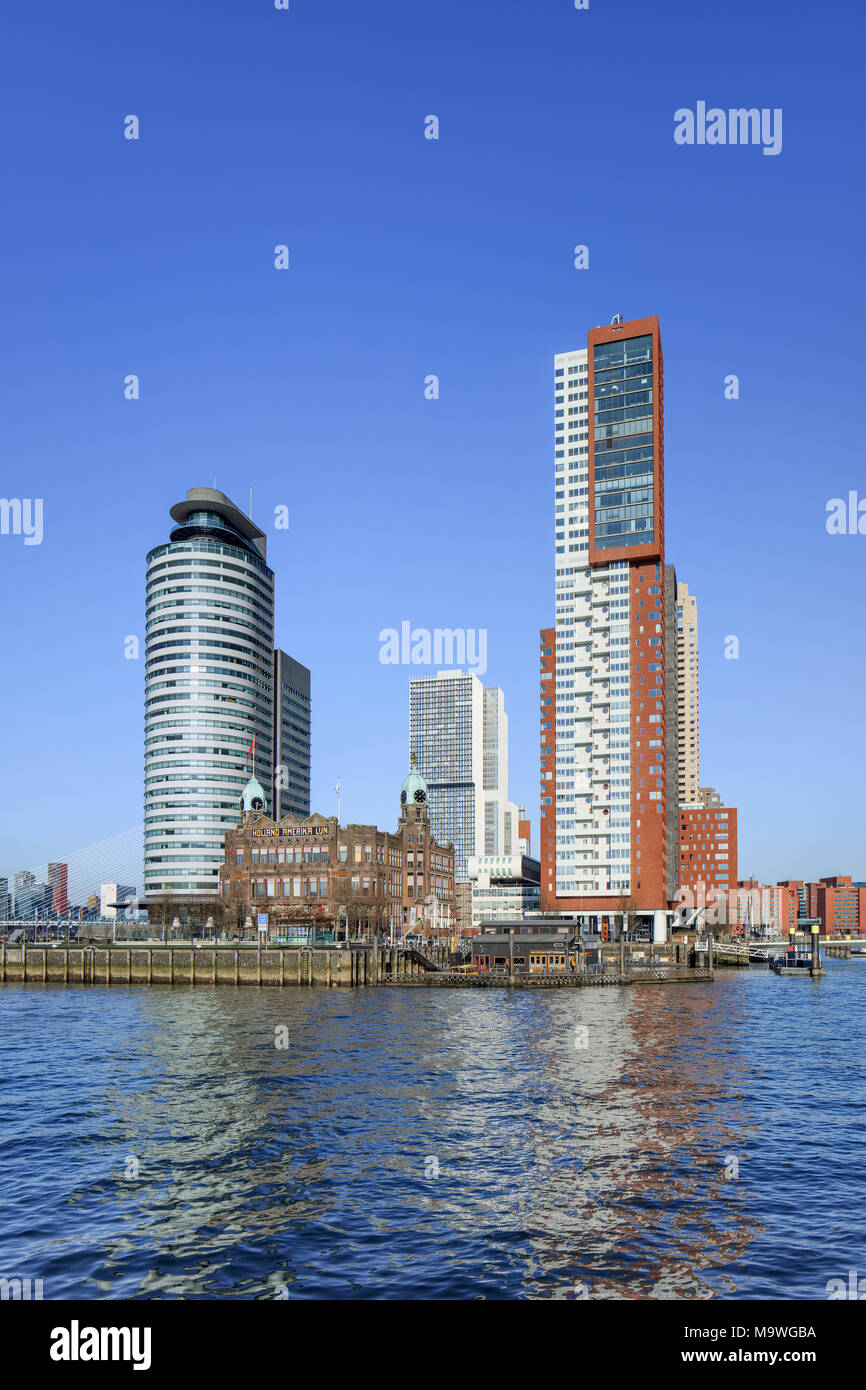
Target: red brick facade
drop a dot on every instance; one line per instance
(547, 830)
(708, 848)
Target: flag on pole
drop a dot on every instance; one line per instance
(338, 788)
(251, 752)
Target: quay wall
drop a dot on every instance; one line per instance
(287, 966)
(204, 965)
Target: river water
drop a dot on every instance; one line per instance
(684, 1141)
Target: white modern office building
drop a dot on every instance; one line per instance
(209, 668)
(505, 887)
(458, 729)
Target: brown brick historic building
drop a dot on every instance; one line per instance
(354, 879)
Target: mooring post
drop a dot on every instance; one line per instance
(709, 950)
(376, 957)
(622, 954)
(150, 965)
(24, 959)
(816, 954)
(282, 965)
(3, 961)
(171, 965)
(511, 955)
(192, 963)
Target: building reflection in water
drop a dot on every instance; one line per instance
(557, 1166)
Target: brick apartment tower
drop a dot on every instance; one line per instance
(58, 876)
(604, 754)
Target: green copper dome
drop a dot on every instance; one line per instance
(414, 787)
(253, 798)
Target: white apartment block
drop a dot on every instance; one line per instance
(592, 782)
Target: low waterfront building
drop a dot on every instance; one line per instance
(503, 886)
(356, 879)
(526, 953)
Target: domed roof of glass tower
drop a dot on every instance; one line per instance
(253, 796)
(414, 787)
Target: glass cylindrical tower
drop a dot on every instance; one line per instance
(209, 651)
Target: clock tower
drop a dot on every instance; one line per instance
(414, 830)
(413, 797)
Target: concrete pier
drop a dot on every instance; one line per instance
(215, 964)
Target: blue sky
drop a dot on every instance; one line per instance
(411, 257)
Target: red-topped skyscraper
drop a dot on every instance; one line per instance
(604, 756)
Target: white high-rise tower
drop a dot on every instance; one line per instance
(458, 729)
(209, 656)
